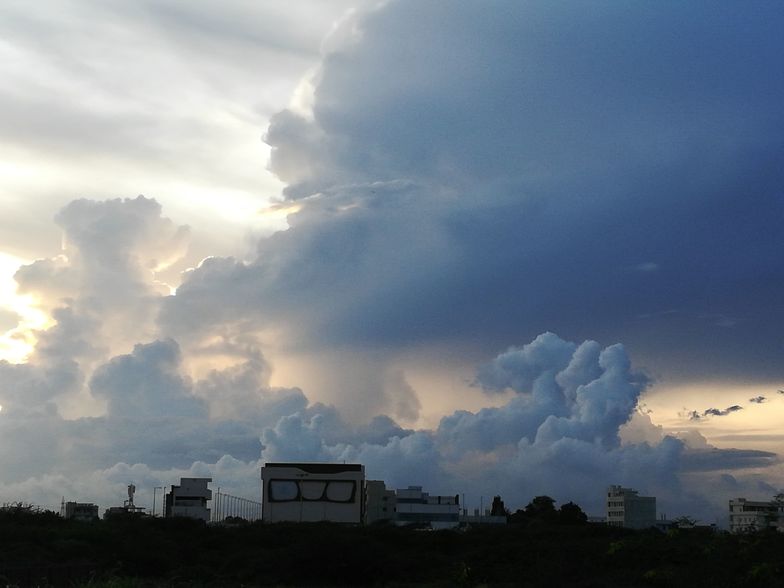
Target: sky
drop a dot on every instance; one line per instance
(500, 247)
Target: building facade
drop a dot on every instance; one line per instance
(415, 507)
(625, 508)
(79, 511)
(189, 499)
(312, 492)
(747, 516)
(380, 502)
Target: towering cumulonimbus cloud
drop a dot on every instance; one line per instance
(562, 424)
(561, 431)
(472, 176)
(463, 179)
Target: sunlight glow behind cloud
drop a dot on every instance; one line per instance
(17, 343)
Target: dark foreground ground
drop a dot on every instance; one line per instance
(41, 550)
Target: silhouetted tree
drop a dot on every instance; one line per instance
(571, 514)
(498, 509)
(540, 510)
(541, 506)
(685, 522)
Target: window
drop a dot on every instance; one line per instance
(340, 491)
(311, 490)
(283, 490)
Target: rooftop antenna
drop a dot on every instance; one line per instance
(131, 492)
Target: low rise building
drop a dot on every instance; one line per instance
(755, 515)
(626, 508)
(79, 511)
(415, 507)
(127, 509)
(479, 518)
(312, 492)
(189, 499)
(380, 502)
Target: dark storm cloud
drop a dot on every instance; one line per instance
(481, 175)
(726, 459)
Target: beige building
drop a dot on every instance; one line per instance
(380, 502)
(754, 515)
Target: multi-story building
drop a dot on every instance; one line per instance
(625, 508)
(189, 499)
(755, 515)
(415, 507)
(311, 492)
(380, 502)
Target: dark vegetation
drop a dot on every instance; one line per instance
(539, 548)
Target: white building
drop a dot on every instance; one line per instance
(754, 515)
(189, 499)
(625, 508)
(380, 502)
(312, 492)
(415, 507)
(79, 511)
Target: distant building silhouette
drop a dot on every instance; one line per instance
(189, 499)
(625, 508)
(79, 511)
(415, 507)
(127, 509)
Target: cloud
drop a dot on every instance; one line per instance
(695, 415)
(719, 412)
(646, 267)
(561, 436)
(725, 459)
(758, 399)
(147, 383)
(102, 291)
(460, 193)
(580, 396)
(97, 102)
